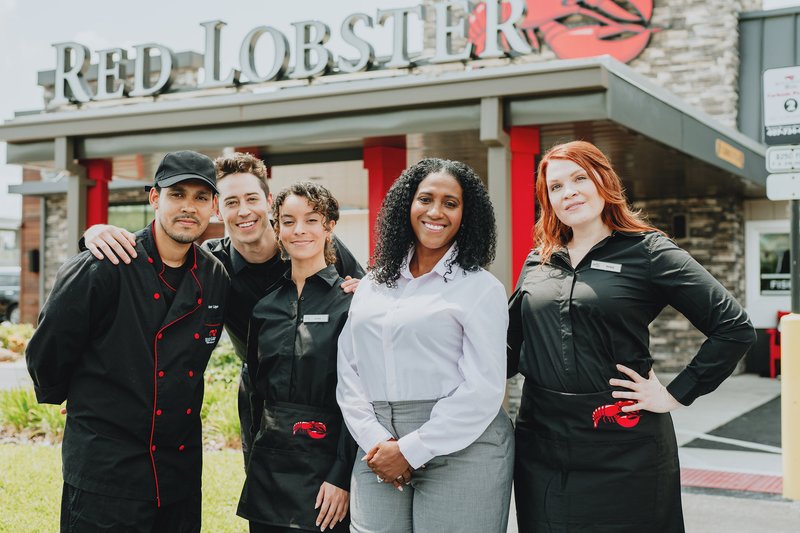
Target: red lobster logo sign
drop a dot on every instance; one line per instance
(613, 413)
(618, 31)
(315, 430)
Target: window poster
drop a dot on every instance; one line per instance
(774, 259)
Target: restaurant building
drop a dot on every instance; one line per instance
(670, 89)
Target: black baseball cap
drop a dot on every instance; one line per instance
(185, 165)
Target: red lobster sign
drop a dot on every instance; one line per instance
(618, 28)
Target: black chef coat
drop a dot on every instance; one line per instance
(299, 436)
(251, 282)
(570, 326)
(131, 370)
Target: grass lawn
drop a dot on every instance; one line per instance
(30, 489)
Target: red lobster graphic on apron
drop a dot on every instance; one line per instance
(614, 413)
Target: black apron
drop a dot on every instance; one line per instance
(292, 453)
(583, 465)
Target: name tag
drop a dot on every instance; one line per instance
(315, 318)
(608, 267)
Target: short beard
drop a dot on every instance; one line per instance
(183, 239)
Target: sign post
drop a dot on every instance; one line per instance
(782, 127)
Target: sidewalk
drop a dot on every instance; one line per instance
(731, 462)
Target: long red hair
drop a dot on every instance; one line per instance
(550, 233)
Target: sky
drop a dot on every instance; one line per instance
(28, 28)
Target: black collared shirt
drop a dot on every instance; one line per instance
(292, 351)
(570, 326)
(251, 282)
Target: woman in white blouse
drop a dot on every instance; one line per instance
(422, 363)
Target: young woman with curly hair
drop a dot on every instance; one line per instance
(298, 472)
(422, 363)
(595, 446)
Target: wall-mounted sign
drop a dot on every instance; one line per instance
(783, 159)
(729, 153)
(783, 187)
(489, 29)
(782, 105)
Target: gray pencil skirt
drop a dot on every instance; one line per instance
(467, 491)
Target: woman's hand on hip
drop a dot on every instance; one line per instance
(648, 394)
(388, 463)
(332, 503)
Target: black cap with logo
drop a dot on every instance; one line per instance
(185, 165)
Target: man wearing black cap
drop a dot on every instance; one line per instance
(126, 348)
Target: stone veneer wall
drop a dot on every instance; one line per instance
(55, 235)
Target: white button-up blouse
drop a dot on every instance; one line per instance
(441, 336)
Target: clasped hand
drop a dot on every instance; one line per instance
(648, 394)
(388, 463)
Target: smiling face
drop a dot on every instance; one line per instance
(573, 194)
(302, 230)
(243, 207)
(436, 211)
(183, 210)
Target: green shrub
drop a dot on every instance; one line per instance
(20, 413)
(224, 364)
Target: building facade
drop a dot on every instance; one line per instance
(659, 85)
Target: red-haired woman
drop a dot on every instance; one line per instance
(595, 446)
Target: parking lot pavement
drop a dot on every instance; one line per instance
(14, 374)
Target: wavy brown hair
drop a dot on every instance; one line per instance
(242, 163)
(550, 233)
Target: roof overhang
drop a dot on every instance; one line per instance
(324, 115)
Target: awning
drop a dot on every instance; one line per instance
(336, 116)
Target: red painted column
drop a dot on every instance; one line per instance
(99, 171)
(525, 146)
(384, 163)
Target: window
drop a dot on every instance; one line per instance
(132, 217)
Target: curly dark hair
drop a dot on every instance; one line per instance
(321, 200)
(476, 238)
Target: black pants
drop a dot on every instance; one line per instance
(257, 527)
(86, 512)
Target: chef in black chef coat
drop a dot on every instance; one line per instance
(126, 348)
(298, 473)
(596, 449)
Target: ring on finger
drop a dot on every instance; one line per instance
(379, 479)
